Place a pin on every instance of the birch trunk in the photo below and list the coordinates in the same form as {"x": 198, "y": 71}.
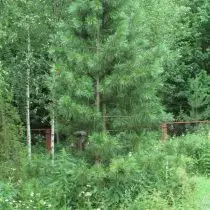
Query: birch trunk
{"x": 97, "y": 76}
{"x": 53, "y": 137}
{"x": 28, "y": 126}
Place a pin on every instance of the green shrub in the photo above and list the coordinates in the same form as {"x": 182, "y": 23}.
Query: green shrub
{"x": 205, "y": 160}
{"x": 102, "y": 148}
{"x": 195, "y": 148}
{"x": 11, "y": 149}
{"x": 7, "y": 196}
{"x": 75, "y": 184}
{"x": 153, "y": 177}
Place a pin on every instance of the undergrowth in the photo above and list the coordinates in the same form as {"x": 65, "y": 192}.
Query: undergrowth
{"x": 111, "y": 175}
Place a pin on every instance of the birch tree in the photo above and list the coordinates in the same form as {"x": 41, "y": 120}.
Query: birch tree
{"x": 28, "y": 122}
{"x": 25, "y": 56}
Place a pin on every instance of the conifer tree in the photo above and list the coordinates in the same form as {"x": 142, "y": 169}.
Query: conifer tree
{"x": 198, "y": 96}
{"x": 109, "y": 57}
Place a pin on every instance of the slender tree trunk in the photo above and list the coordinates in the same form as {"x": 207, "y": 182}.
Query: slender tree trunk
{"x": 28, "y": 126}
{"x": 52, "y": 119}
{"x": 52, "y": 137}
{"x": 97, "y": 76}
{"x": 104, "y": 118}
{"x": 57, "y": 136}
{"x": 97, "y": 94}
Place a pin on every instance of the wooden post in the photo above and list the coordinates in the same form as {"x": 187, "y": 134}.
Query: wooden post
{"x": 48, "y": 139}
{"x": 164, "y": 132}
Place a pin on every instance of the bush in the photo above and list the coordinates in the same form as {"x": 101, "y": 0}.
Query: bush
{"x": 153, "y": 177}
{"x": 117, "y": 182}
{"x": 11, "y": 149}
{"x": 102, "y": 148}
{"x": 195, "y": 148}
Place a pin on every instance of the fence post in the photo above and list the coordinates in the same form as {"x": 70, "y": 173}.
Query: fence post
{"x": 48, "y": 139}
{"x": 164, "y": 132}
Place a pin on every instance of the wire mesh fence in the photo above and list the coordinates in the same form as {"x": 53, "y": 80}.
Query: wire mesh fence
{"x": 43, "y": 135}
{"x": 172, "y": 129}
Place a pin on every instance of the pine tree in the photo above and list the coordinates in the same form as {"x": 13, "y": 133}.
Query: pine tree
{"x": 198, "y": 96}
{"x": 109, "y": 58}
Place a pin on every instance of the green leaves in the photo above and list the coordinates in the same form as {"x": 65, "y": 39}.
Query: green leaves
{"x": 198, "y": 96}
{"x": 190, "y": 51}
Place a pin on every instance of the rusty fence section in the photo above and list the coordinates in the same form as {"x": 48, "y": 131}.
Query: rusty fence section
{"x": 45, "y": 133}
{"x": 175, "y": 128}
{"x": 168, "y": 129}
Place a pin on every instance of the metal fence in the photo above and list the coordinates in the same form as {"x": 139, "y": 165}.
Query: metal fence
{"x": 45, "y": 133}
{"x": 170, "y": 129}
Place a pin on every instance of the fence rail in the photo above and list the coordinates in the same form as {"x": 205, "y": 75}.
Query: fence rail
{"x": 176, "y": 128}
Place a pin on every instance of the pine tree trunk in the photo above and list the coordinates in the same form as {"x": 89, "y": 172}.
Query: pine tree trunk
{"x": 57, "y": 136}
{"x": 52, "y": 137}
{"x": 97, "y": 94}
{"x": 104, "y": 118}
{"x": 28, "y": 126}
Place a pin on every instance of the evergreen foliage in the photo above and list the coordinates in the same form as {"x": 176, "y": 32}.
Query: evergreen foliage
{"x": 190, "y": 56}
{"x": 198, "y": 96}
{"x": 109, "y": 63}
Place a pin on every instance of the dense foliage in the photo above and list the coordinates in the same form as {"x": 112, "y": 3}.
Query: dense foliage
{"x": 106, "y": 52}
{"x": 155, "y": 177}
{"x": 191, "y": 47}
{"x": 10, "y": 130}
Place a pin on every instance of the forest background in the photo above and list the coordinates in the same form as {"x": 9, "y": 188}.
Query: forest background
{"x": 117, "y": 70}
